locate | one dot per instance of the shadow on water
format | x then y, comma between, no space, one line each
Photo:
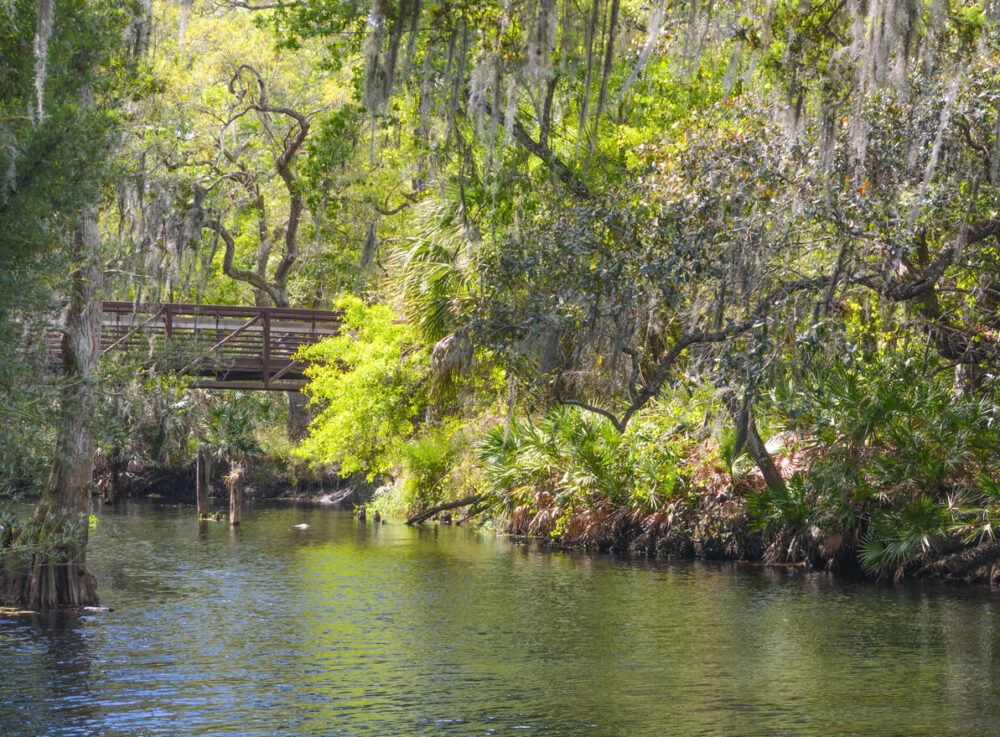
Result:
48,658
345,628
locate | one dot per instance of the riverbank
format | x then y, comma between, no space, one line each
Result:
716,524
720,528
822,515
264,478
712,512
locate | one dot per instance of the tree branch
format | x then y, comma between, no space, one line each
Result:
260,6
688,339
234,272
291,145
964,561
746,427
633,392
966,127
557,166
951,341
444,507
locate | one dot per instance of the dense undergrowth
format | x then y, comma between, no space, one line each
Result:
888,467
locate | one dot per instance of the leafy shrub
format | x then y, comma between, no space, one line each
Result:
48,536
901,468
569,464
367,381
427,463
229,430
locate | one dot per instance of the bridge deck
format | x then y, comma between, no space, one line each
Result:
224,347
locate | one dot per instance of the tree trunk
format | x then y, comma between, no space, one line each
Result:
235,503
746,428
204,477
57,575
116,465
968,380
427,514
964,561
298,416
758,451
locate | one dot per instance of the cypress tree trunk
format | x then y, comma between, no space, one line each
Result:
53,572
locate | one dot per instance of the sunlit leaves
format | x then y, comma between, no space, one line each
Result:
368,383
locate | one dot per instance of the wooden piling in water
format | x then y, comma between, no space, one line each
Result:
204,475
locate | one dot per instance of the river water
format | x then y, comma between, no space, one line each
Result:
350,629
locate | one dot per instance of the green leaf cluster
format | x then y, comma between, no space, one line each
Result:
370,386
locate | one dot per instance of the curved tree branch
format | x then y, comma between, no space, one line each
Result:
557,166
952,342
234,272
691,338
283,163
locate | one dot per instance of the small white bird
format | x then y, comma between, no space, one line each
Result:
302,526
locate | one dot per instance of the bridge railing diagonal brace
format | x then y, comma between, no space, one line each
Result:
222,342
129,333
284,370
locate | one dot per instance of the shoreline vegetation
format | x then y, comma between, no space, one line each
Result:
542,485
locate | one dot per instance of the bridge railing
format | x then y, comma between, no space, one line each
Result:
225,347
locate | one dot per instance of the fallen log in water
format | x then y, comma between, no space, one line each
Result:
965,561
442,507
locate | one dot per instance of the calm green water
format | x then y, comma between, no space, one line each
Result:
343,629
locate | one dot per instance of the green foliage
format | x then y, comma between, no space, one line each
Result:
806,201
437,465
573,455
578,460
28,412
657,443
900,463
370,384
332,147
228,430
49,535
776,511
146,419
433,276
52,166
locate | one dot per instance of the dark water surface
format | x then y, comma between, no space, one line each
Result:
353,630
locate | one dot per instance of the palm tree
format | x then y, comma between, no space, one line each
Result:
228,438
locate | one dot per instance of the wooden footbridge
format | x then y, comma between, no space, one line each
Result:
222,347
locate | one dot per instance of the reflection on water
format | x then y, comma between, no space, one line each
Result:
354,630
